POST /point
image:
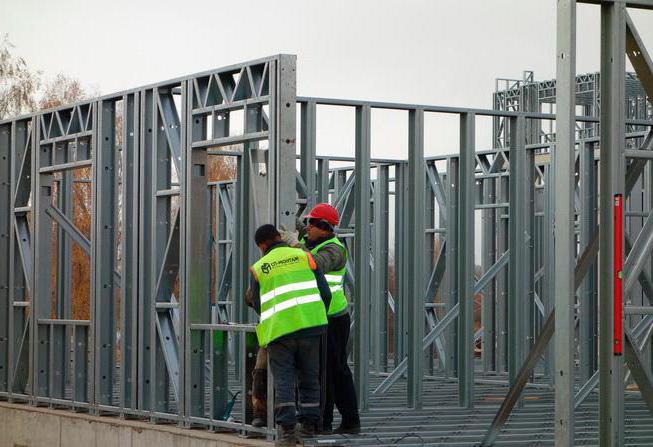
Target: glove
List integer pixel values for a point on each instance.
(289, 237)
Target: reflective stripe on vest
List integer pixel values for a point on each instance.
(290, 299)
(336, 280)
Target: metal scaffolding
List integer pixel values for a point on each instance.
(457, 262)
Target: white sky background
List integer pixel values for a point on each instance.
(436, 52)
(442, 52)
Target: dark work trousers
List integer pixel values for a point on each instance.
(296, 361)
(340, 382)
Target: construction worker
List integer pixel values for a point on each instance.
(291, 296)
(331, 257)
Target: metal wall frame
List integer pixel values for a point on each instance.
(168, 334)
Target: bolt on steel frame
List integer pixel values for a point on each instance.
(167, 335)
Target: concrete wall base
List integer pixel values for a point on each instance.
(28, 426)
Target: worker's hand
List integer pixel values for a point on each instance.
(289, 237)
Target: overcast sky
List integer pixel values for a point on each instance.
(442, 52)
(436, 52)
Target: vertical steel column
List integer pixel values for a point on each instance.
(429, 264)
(415, 257)
(465, 277)
(41, 254)
(361, 255)
(129, 247)
(488, 254)
(19, 278)
(164, 227)
(102, 253)
(323, 176)
(146, 241)
(502, 278)
(548, 290)
(517, 268)
(451, 275)
(399, 264)
(564, 234)
(64, 245)
(613, 50)
(196, 270)
(308, 150)
(588, 294)
(6, 211)
(381, 257)
(283, 104)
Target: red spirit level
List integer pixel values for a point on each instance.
(618, 274)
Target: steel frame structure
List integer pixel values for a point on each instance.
(168, 336)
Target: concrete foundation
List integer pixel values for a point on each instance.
(28, 426)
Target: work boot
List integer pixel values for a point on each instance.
(308, 430)
(349, 426)
(286, 436)
(259, 397)
(259, 422)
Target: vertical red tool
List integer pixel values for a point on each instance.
(618, 274)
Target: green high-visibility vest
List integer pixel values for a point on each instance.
(290, 298)
(336, 279)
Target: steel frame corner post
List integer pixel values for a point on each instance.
(196, 231)
(6, 159)
(362, 272)
(415, 257)
(612, 174)
(102, 252)
(518, 268)
(564, 235)
(465, 242)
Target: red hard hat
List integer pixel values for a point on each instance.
(326, 212)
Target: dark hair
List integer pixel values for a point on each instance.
(266, 233)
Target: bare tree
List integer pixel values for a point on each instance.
(60, 91)
(18, 84)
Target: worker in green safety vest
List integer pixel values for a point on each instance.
(291, 296)
(331, 257)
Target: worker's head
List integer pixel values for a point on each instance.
(320, 221)
(265, 236)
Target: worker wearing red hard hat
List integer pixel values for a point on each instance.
(330, 256)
